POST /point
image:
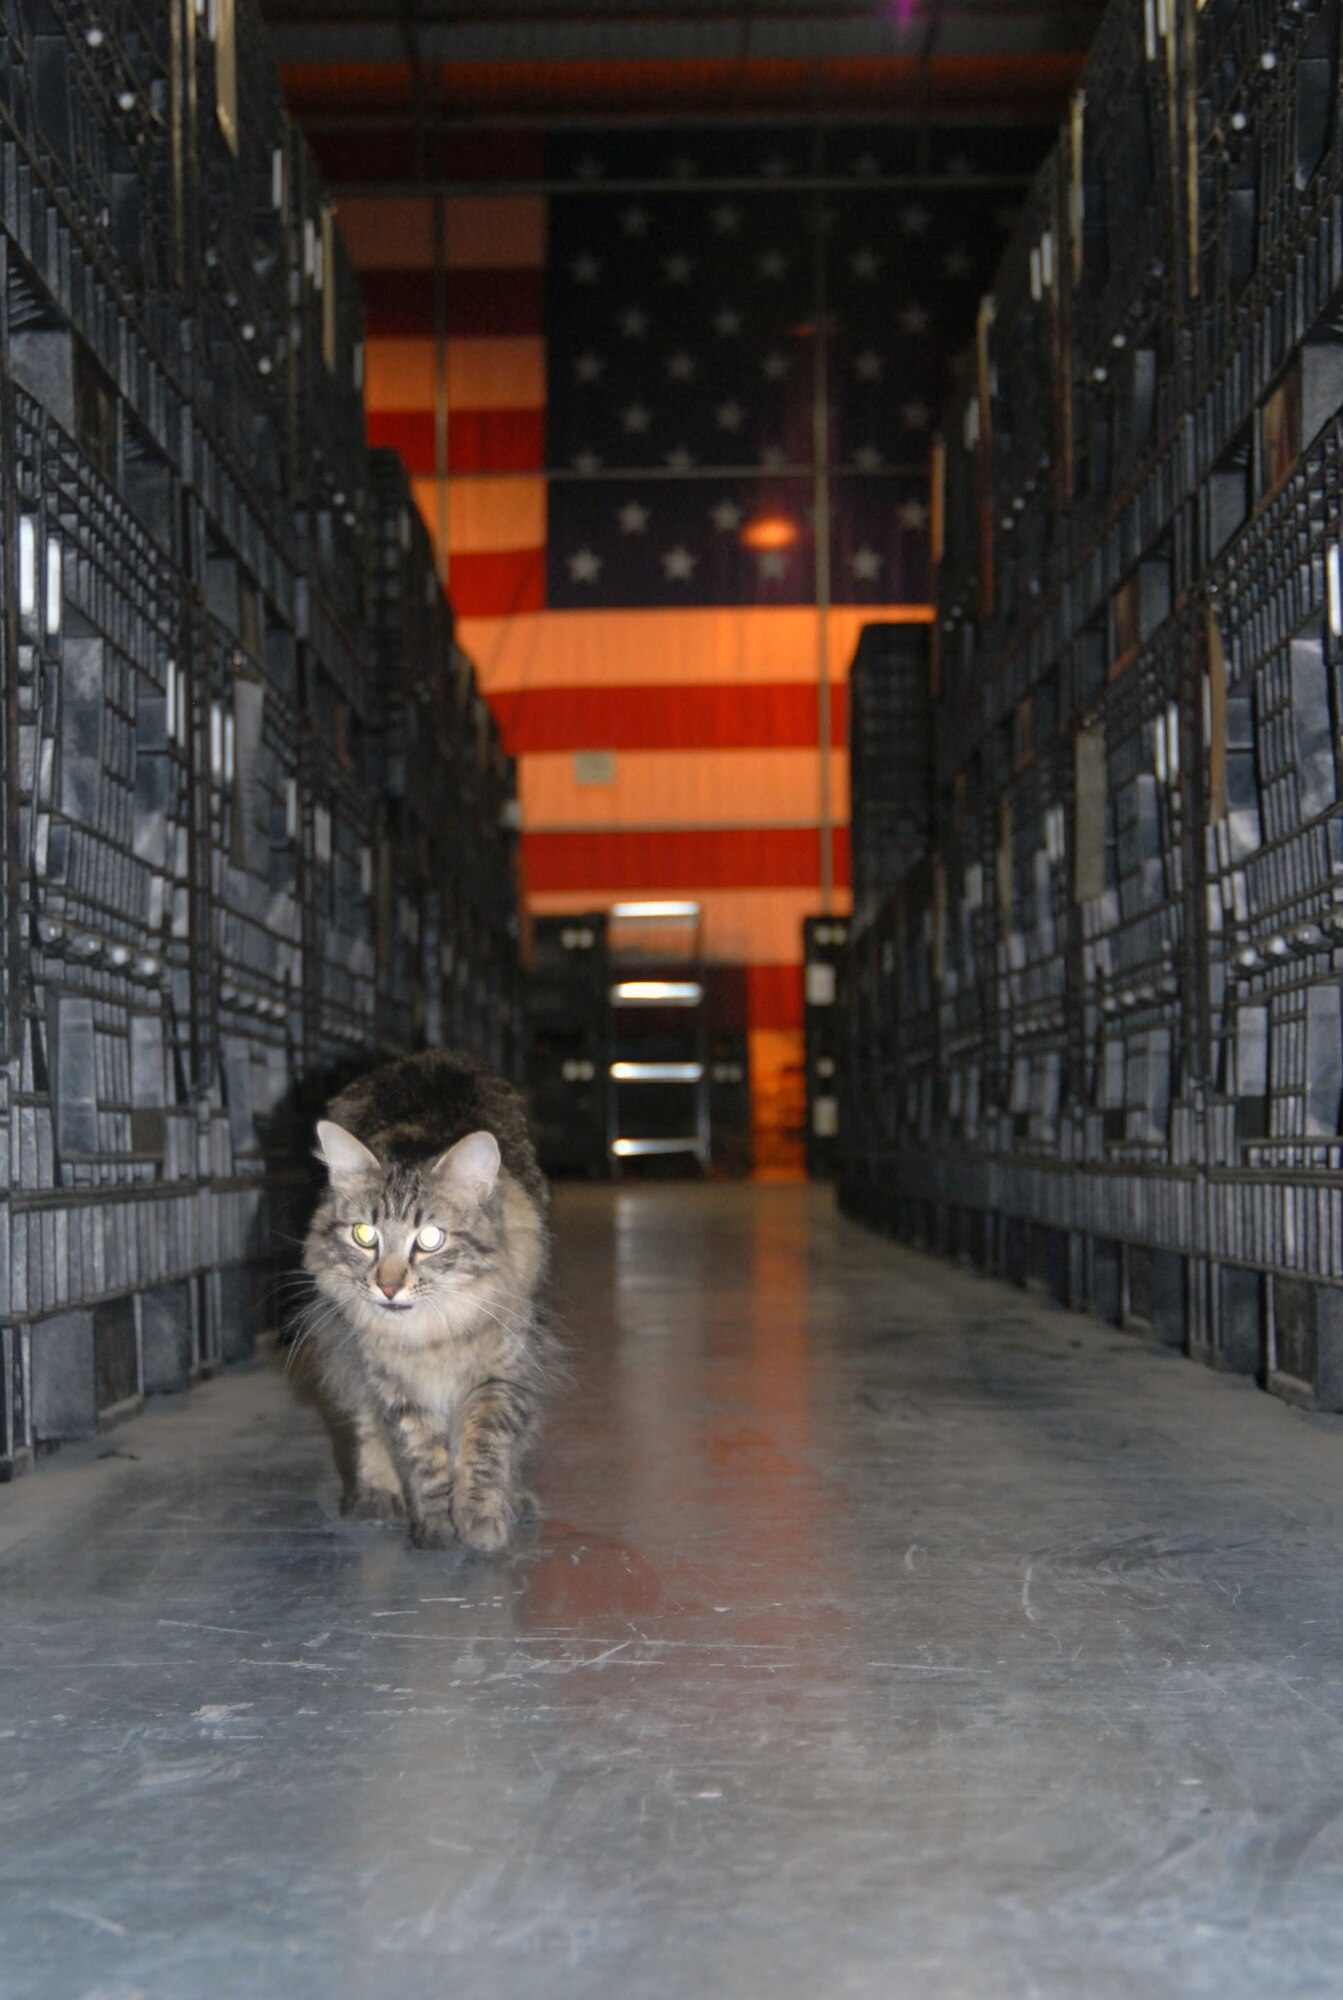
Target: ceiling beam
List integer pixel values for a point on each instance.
(352, 31)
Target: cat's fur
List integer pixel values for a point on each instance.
(438, 1361)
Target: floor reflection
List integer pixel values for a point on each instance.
(683, 1458)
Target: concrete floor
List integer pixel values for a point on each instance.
(889, 1635)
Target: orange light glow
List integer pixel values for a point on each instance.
(769, 531)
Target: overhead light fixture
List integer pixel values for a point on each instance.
(633, 1149)
(657, 993)
(654, 909)
(657, 1072)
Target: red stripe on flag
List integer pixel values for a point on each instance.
(477, 303)
(481, 303)
(685, 859)
(347, 157)
(769, 716)
(481, 155)
(496, 440)
(398, 302)
(394, 152)
(478, 440)
(410, 432)
(774, 996)
(498, 584)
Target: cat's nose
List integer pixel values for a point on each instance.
(390, 1276)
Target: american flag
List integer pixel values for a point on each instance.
(628, 354)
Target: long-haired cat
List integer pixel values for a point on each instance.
(430, 1247)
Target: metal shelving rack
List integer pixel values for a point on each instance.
(659, 1071)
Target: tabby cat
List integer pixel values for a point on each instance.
(429, 1249)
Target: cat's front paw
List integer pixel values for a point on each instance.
(484, 1525)
(373, 1503)
(433, 1531)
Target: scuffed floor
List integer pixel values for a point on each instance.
(890, 1635)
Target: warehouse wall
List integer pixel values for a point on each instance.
(1095, 1037)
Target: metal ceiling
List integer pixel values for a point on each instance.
(320, 32)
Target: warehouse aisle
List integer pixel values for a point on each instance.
(889, 1634)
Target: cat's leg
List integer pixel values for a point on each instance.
(374, 1492)
(423, 1457)
(492, 1432)
(372, 1483)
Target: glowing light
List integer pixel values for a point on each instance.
(633, 1149)
(658, 993)
(657, 1072)
(769, 531)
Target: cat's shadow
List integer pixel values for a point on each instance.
(295, 1180)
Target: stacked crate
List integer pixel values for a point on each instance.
(103, 1170)
(728, 1070)
(890, 758)
(823, 946)
(446, 858)
(1024, 409)
(569, 1043)
(331, 467)
(1035, 1053)
(485, 1009)
(412, 637)
(1112, 1061)
(236, 183)
(257, 822)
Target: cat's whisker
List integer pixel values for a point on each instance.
(297, 1346)
(504, 1291)
(309, 1323)
(510, 1323)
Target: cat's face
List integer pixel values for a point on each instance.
(395, 1246)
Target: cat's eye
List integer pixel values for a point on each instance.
(365, 1235)
(431, 1237)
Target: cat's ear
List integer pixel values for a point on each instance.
(471, 1166)
(345, 1155)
